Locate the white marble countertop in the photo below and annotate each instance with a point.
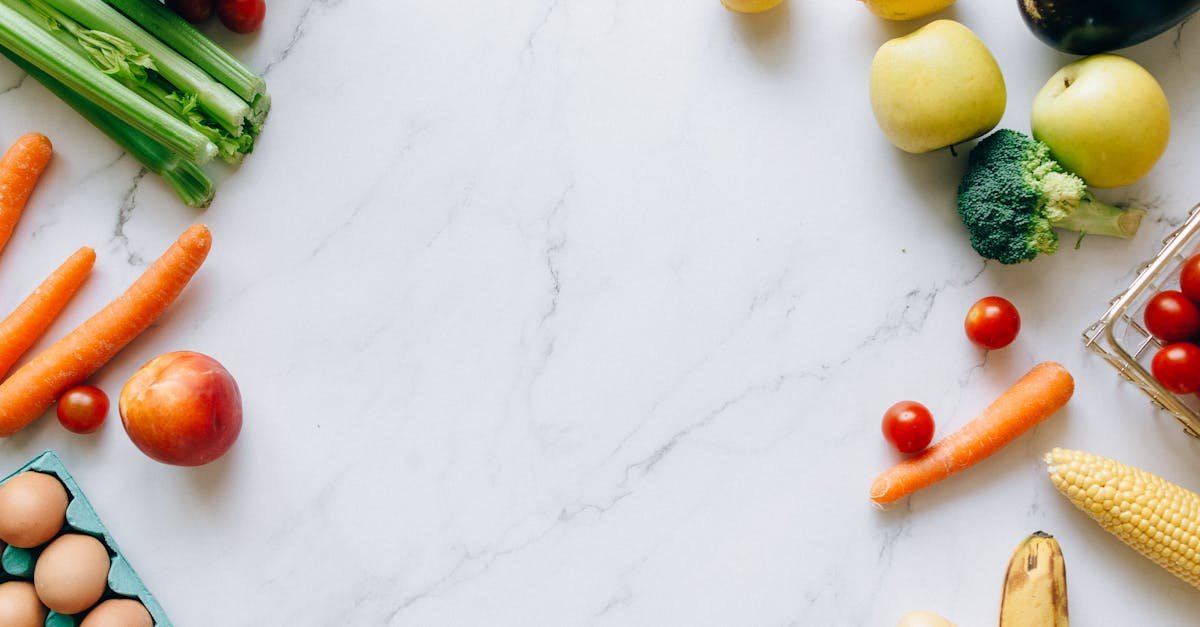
(564, 312)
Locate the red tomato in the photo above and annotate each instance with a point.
(194, 11)
(82, 409)
(908, 425)
(1189, 279)
(1177, 367)
(993, 322)
(1171, 317)
(242, 16)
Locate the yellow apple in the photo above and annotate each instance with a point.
(936, 87)
(905, 9)
(751, 6)
(1105, 118)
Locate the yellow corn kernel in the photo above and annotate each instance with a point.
(1150, 514)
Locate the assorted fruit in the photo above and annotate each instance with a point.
(1105, 118)
(936, 87)
(182, 408)
(1035, 585)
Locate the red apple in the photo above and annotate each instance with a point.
(182, 408)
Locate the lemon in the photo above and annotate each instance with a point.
(751, 6)
(905, 9)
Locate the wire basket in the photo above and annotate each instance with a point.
(1121, 339)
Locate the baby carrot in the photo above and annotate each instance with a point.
(1034, 398)
(19, 172)
(25, 325)
(34, 387)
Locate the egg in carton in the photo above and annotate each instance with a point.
(82, 525)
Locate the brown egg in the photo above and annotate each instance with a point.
(71, 573)
(118, 613)
(19, 605)
(33, 506)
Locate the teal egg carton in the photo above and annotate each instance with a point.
(123, 582)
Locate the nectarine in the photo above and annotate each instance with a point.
(182, 408)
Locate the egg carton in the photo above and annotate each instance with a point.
(123, 582)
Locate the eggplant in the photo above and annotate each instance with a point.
(1092, 26)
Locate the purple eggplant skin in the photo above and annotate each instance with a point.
(1092, 26)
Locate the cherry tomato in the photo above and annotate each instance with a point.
(908, 425)
(82, 409)
(1171, 317)
(1177, 367)
(1189, 279)
(242, 16)
(194, 11)
(993, 322)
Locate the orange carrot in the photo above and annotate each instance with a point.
(19, 172)
(1040, 393)
(34, 387)
(25, 325)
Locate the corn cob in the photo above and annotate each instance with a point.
(1154, 516)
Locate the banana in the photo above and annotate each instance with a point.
(1035, 587)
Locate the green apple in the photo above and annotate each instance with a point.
(936, 87)
(1105, 118)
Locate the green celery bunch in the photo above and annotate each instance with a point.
(168, 98)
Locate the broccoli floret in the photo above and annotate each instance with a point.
(1014, 194)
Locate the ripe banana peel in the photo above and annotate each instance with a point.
(1035, 587)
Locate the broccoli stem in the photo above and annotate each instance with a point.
(1099, 218)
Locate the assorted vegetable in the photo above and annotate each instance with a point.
(1189, 278)
(1177, 367)
(992, 322)
(1035, 397)
(1154, 516)
(169, 98)
(1014, 195)
(82, 409)
(1172, 317)
(908, 426)
(1091, 26)
(34, 387)
(194, 11)
(29, 321)
(242, 16)
(20, 170)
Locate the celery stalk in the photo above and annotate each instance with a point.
(136, 70)
(29, 41)
(191, 183)
(224, 106)
(176, 32)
